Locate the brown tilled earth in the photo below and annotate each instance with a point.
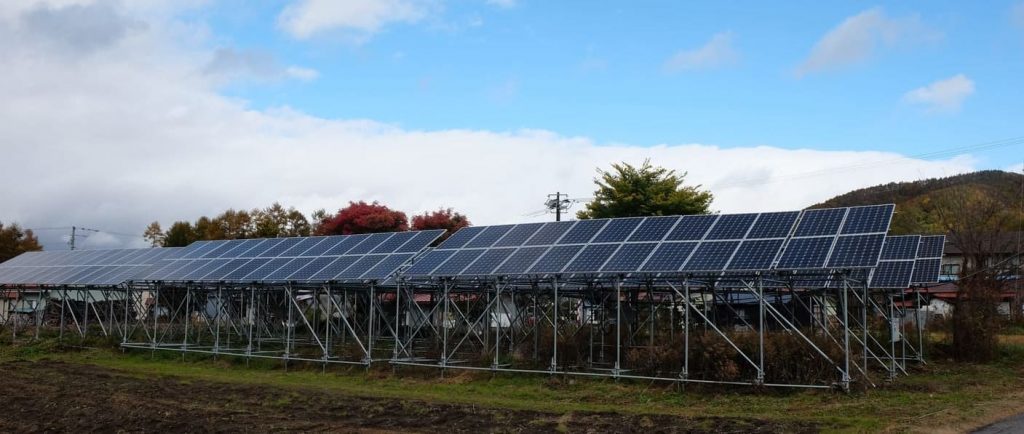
(50, 396)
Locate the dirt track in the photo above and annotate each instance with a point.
(50, 396)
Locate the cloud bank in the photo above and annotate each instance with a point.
(135, 131)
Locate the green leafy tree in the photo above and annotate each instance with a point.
(14, 241)
(180, 234)
(628, 191)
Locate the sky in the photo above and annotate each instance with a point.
(115, 114)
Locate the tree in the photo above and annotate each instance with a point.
(154, 234)
(444, 218)
(14, 241)
(628, 191)
(276, 221)
(180, 234)
(361, 218)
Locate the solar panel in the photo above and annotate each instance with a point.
(711, 256)
(521, 260)
(369, 243)
(488, 261)
(629, 257)
(731, 227)
(856, 251)
(420, 241)
(692, 227)
(583, 231)
(817, 222)
(458, 262)
(429, 262)
(591, 258)
(805, 253)
(346, 244)
(892, 274)
(929, 259)
(618, 230)
(900, 247)
(489, 236)
(240, 248)
(302, 246)
(669, 257)
(260, 272)
(321, 248)
(334, 268)
(756, 254)
(393, 243)
(387, 266)
(549, 233)
(518, 235)
(868, 219)
(556, 258)
(654, 228)
(461, 237)
(308, 268)
(362, 265)
(773, 224)
(931, 246)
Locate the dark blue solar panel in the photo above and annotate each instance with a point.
(198, 249)
(488, 261)
(369, 244)
(583, 231)
(654, 228)
(280, 247)
(518, 235)
(489, 236)
(263, 272)
(240, 248)
(361, 266)
(202, 267)
(926, 270)
(231, 272)
(731, 227)
(555, 259)
(521, 260)
(691, 228)
(222, 246)
(931, 246)
(346, 244)
(857, 251)
(461, 237)
(387, 267)
(591, 258)
(145, 257)
(329, 243)
(711, 256)
(892, 274)
(107, 258)
(420, 241)
(309, 268)
(393, 243)
(458, 262)
(429, 262)
(180, 268)
(901, 247)
(803, 253)
(549, 233)
(81, 275)
(773, 224)
(96, 279)
(629, 257)
(669, 257)
(225, 270)
(267, 244)
(816, 222)
(333, 269)
(756, 254)
(868, 219)
(618, 230)
(303, 246)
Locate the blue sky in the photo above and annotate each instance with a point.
(602, 70)
(125, 112)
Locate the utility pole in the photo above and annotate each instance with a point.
(74, 234)
(558, 202)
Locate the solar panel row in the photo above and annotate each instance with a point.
(929, 259)
(82, 267)
(696, 243)
(896, 266)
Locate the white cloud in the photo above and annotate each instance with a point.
(306, 18)
(301, 73)
(506, 4)
(133, 134)
(945, 95)
(858, 37)
(716, 52)
(232, 65)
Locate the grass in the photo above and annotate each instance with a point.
(941, 394)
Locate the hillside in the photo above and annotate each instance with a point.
(917, 201)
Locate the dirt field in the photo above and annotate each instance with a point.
(49, 396)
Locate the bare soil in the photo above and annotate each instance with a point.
(53, 396)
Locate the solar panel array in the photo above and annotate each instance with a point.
(896, 266)
(342, 258)
(82, 267)
(811, 239)
(929, 259)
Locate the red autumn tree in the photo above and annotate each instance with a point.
(444, 218)
(363, 218)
